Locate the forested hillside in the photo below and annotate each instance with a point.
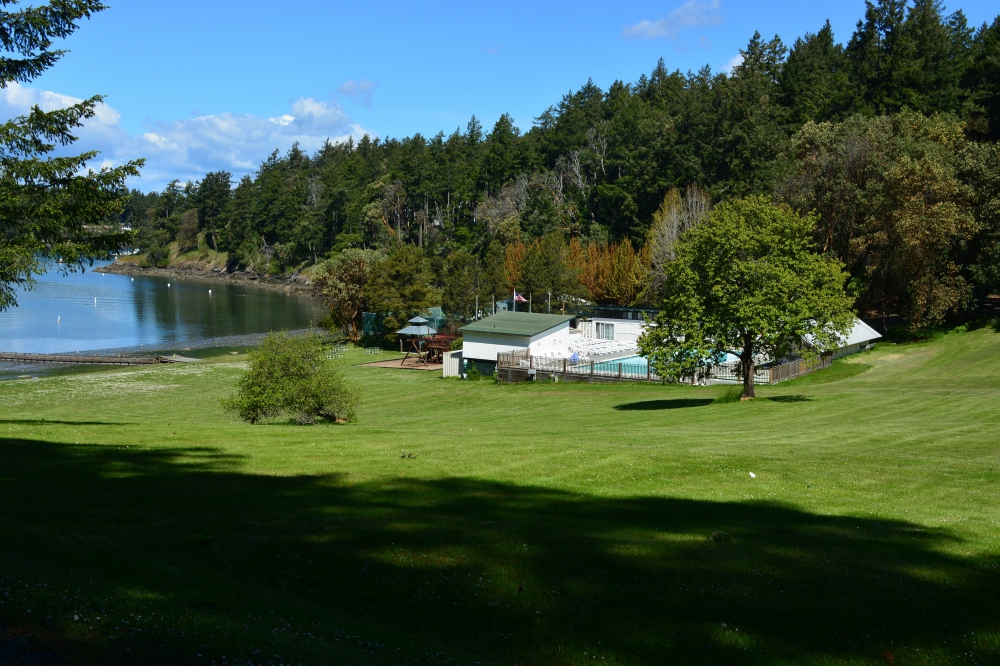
(890, 139)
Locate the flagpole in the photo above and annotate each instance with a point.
(514, 300)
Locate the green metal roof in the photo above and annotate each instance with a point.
(516, 323)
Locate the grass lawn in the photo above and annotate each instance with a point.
(465, 522)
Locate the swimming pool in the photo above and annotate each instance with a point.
(638, 363)
(635, 363)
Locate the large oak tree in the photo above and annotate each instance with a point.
(748, 281)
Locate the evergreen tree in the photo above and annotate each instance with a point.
(502, 160)
(814, 80)
(401, 287)
(982, 79)
(876, 55)
(463, 277)
(929, 77)
(752, 119)
(494, 284)
(50, 207)
(213, 194)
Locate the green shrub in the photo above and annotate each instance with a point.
(289, 375)
(158, 256)
(472, 372)
(959, 329)
(456, 344)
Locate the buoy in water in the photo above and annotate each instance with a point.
(209, 292)
(133, 279)
(168, 284)
(58, 319)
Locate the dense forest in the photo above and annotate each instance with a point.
(890, 140)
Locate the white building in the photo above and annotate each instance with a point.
(539, 334)
(612, 322)
(860, 337)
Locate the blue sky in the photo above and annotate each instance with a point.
(202, 85)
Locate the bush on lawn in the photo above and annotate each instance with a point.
(290, 375)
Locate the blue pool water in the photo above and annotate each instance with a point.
(637, 364)
(634, 363)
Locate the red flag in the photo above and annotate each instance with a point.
(518, 297)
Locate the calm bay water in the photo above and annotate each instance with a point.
(62, 315)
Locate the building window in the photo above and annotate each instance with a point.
(605, 331)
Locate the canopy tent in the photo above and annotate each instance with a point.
(417, 330)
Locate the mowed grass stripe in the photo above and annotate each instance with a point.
(468, 522)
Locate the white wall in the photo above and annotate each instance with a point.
(626, 330)
(452, 366)
(553, 342)
(486, 346)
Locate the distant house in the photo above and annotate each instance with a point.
(540, 334)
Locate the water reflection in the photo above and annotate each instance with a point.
(87, 311)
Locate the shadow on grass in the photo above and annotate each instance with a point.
(654, 405)
(320, 569)
(41, 422)
(788, 398)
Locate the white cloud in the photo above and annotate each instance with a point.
(692, 14)
(361, 91)
(733, 63)
(188, 149)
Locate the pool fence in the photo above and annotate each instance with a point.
(520, 366)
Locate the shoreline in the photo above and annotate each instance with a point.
(295, 284)
(14, 370)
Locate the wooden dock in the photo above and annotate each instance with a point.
(71, 358)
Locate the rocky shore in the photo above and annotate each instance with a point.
(293, 284)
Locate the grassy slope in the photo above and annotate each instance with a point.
(512, 524)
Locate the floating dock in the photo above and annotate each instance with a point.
(87, 360)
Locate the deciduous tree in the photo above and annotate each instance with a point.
(341, 283)
(748, 281)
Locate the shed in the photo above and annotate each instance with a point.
(540, 334)
(860, 337)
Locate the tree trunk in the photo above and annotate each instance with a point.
(746, 360)
(215, 245)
